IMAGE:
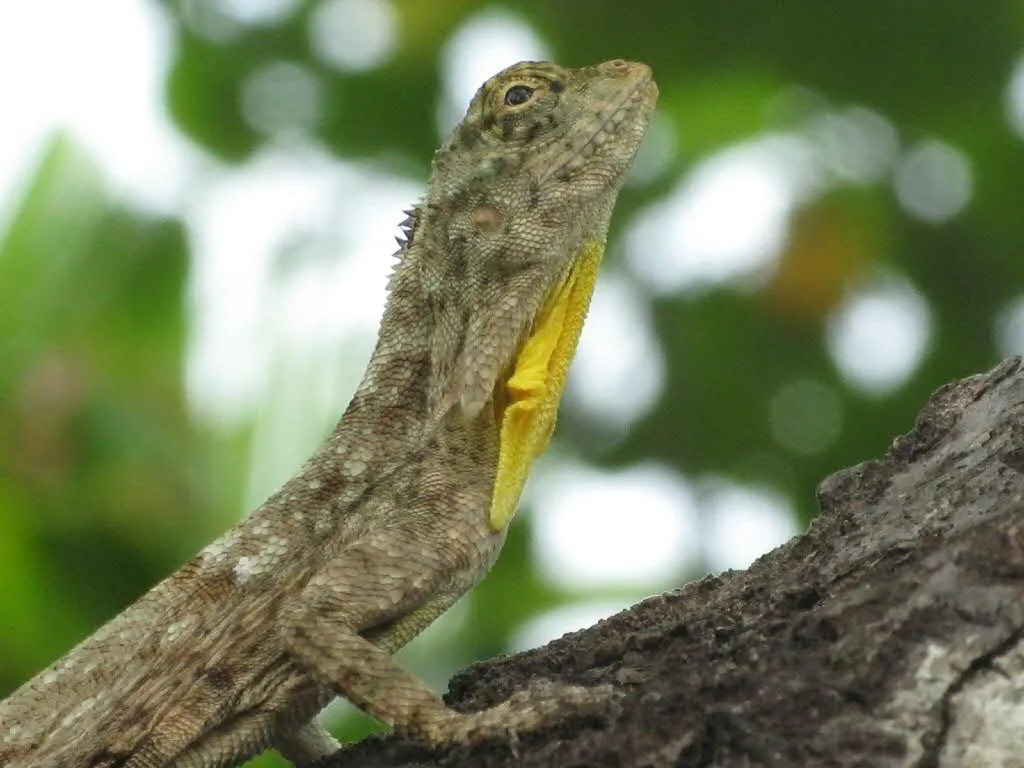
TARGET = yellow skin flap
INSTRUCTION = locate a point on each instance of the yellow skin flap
(535, 387)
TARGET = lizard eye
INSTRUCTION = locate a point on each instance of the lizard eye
(518, 94)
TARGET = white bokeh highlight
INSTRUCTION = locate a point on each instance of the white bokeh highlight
(656, 153)
(878, 336)
(597, 528)
(726, 220)
(551, 625)
(855, 144)
(109, 97)
(282, 97)
(619, 370)
(1009, 328)
(1015, 98)
(223, 21)
(742, 523)
(934, 181)
(353, 35)
(255, 12)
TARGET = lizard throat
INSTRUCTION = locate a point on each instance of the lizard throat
(527, 411)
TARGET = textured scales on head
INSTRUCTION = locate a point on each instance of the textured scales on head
(528, 176)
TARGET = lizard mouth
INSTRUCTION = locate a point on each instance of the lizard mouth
(528, 407)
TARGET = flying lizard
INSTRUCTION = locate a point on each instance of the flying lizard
(406, 504)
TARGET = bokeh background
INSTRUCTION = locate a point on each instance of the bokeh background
(197, 206)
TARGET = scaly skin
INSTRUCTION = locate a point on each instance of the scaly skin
(405, 506)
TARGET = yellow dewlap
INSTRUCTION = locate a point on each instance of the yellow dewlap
(535, 387)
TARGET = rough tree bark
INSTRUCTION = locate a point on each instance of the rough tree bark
(890, 634)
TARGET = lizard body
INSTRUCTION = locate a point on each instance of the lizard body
(406, 504)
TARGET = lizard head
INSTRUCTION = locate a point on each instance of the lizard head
(514, 225)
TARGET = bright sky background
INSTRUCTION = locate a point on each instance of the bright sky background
(724, 222)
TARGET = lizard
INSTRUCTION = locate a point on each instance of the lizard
(406, 504)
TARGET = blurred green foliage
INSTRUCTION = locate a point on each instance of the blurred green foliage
(106, 484)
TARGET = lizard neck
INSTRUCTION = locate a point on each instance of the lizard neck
(400, 405)
(390, 405)
(396, 433)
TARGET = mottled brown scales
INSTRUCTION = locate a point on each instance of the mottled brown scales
(388, 523)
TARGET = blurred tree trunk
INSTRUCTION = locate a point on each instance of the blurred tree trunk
(890, 634)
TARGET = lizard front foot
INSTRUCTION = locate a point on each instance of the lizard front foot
(533, 707)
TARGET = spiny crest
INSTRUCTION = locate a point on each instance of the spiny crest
(408, 229)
